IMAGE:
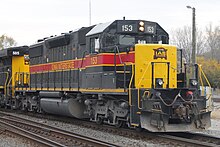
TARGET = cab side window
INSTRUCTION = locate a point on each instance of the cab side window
(97, 45)
(94, 45)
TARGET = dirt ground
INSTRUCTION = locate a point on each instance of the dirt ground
(215, 120)
(216, 112)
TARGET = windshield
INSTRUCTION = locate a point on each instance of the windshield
(126, 40)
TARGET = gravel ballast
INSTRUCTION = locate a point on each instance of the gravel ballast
(13, 141)
(214, 130)
(105, 136)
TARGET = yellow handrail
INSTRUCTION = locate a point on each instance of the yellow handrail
(148, 92)
(200, 77)
(8, 86)
(23, 77)
(140, 83)
(204, 76)
(143, 74)
(209, 97)
(131, 80)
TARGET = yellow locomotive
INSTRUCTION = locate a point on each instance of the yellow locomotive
(14, 72)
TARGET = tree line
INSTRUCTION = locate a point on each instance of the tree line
(207, 49)
(6, 41)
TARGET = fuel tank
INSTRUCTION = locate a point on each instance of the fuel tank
(67, 107)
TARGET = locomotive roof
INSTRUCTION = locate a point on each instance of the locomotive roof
(99, 28)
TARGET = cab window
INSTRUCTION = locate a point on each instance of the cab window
(94, 45)
(126, 40)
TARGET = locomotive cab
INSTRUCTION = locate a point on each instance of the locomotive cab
(124, 34)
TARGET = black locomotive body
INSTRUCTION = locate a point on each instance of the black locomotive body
(120, 72)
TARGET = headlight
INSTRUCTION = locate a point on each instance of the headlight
(141, 23)
(26, 57)
(194, 82)
(141, 29)
(141, 26)
(160, 82)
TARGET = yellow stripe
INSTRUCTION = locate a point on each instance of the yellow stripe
(107, 65)
(76, 89)
(123, 72)
(104, 90)
(51, 71)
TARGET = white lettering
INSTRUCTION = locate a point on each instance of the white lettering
(15, 53)
(127, 28)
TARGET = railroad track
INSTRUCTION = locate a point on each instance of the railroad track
(15, 131)
(47, 135)
(175, 139)
(193, 139)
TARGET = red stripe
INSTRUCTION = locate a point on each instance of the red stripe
(90, 60)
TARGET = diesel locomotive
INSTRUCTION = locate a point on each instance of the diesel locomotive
(119, 73)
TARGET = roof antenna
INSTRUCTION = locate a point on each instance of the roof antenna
(124, 18)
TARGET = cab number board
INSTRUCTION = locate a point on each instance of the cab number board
(127, 28)
(15, 53)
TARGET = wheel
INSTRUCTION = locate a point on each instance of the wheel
(120, 124)
(99, 121)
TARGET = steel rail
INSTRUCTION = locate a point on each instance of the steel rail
(29, 135)
(191, 139)
(55, 130)
(188, 141)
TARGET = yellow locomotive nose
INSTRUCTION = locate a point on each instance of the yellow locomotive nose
(155, 66)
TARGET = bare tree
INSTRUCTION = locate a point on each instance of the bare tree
(182, 38)
(200, 43)
(6, 41)
(213, 40)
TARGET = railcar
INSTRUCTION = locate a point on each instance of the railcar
(119, 73)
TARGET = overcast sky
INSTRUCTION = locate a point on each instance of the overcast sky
(29, 20)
